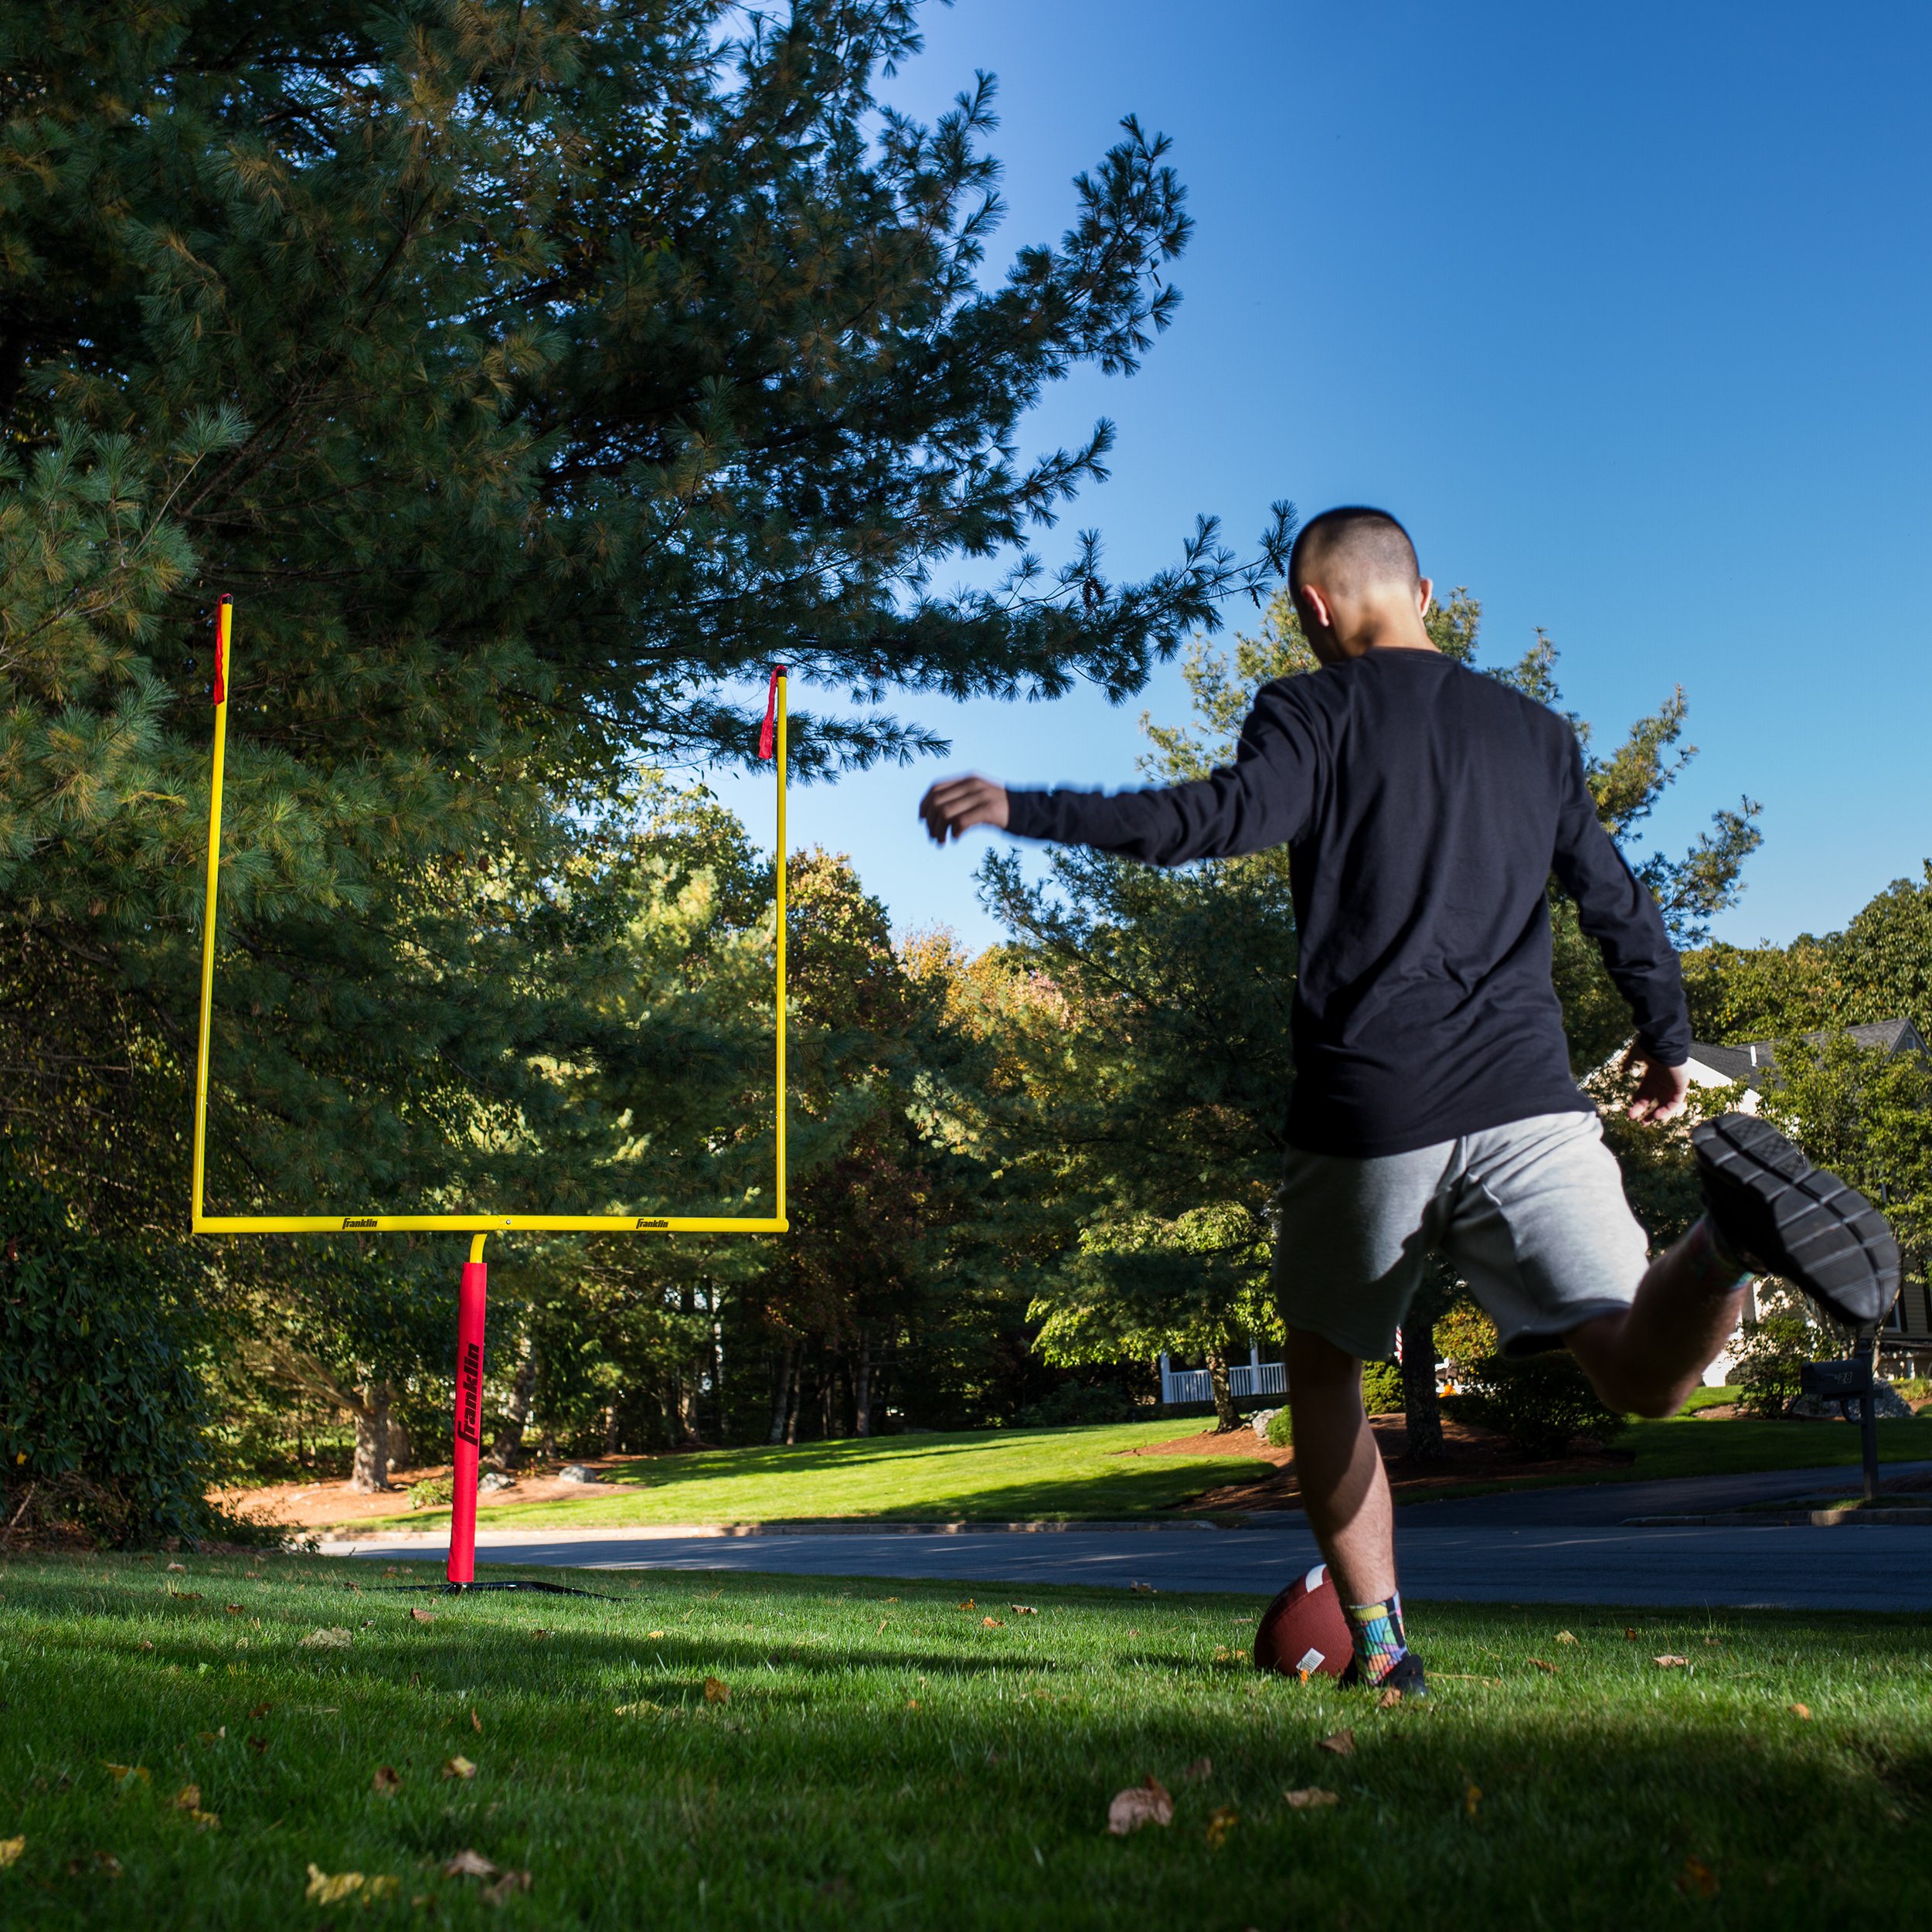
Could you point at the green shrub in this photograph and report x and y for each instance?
(1464, 1337)
(100, 1416)
(1281, 1429)
(433, 1492)
(1538, 1401)
(1768, 1363)
(1382, 1388)
(1075, 1402)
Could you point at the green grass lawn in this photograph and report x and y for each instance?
(1002, 1475)
(999, 1475)
(175, 1752)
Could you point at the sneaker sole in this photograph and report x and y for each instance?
(1830, 1240)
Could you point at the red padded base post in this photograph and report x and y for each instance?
(470, 1300)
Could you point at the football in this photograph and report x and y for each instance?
(1304, 1632)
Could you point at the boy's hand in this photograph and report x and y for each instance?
(1660, 1090)
(953, 806)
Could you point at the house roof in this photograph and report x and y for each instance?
(1751, 1062)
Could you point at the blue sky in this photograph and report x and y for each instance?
(1625, 312)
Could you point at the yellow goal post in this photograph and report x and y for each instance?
(772, 747)
(472, 1290)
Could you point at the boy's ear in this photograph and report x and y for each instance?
(1426, 594)
(1317, 605)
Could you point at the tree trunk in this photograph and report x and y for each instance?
(861, 1387)
(1225, 1415)
(370, 1474)
(781, 1396)
(401, 1451)
(1421, 1402)
(611, 1430)
(791, 1396)
(508, 1449)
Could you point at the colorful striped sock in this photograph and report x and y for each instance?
(1379, 1645)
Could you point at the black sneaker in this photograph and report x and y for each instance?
(1782, 1215)
(1404, 1678)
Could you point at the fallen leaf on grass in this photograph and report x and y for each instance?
(993, 1623)
(1341, 1743)
(716, 1691)
(334, 1638)
(912, 1703)
(422, 1616)
(1147, 1803)
(1199, 1771)
(187, 1797)
(1221, 1821)
(205, 1821)
(1311, 1798)
(1630, 1634)
(383, 1885)
(969, 1604)
(1667, 1662)
(643, 1708)
(469, 1865)
(213, 1737)
(1388, 1699)
(329, 1888)
(510, 1882)
(1143, 1589)
(387, 1781)
(1801, 1710)
(261, 1710)
(258, 1743)
(1697, 1880)
(882, 1624)
(459, 1766)
(1471, 1797)
(476, 1722)
(182, 1569)
(654, 1633)
(1564, 1637)
(1023, 1609)
(121, 1774)
(233, 1610)
(145, 1643)
(1549, 1670)
(10, 1849)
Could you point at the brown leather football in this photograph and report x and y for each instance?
(1304, 1632)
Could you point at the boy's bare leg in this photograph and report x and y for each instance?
(1343, 1487)
(1647, 1360)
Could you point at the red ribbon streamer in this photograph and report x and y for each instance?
(768, 738)
(221, 669)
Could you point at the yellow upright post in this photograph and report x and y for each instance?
(781, 1216)
(223, 628)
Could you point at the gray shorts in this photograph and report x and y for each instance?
(1531, 1215)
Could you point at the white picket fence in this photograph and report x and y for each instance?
(1253, 1377)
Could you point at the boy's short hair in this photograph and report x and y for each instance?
(1362, 545)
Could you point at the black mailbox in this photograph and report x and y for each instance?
(1845, 1382)
(1837, 1381)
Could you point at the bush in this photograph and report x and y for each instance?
(1767, 1364)
(433, 1492)
(1075, 1402)
(1538, 1401)
(1281, 1429)
(1382, 1388)
(1465, 1337)
(100, 1415)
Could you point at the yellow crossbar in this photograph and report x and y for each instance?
(202, 1223)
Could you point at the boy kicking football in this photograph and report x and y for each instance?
(1425, 807)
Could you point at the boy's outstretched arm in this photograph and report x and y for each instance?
(1260, 800)
(952, 807)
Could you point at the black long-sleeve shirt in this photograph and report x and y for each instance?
(1424, 807)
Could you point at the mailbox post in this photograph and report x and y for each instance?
(1845, 1382)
